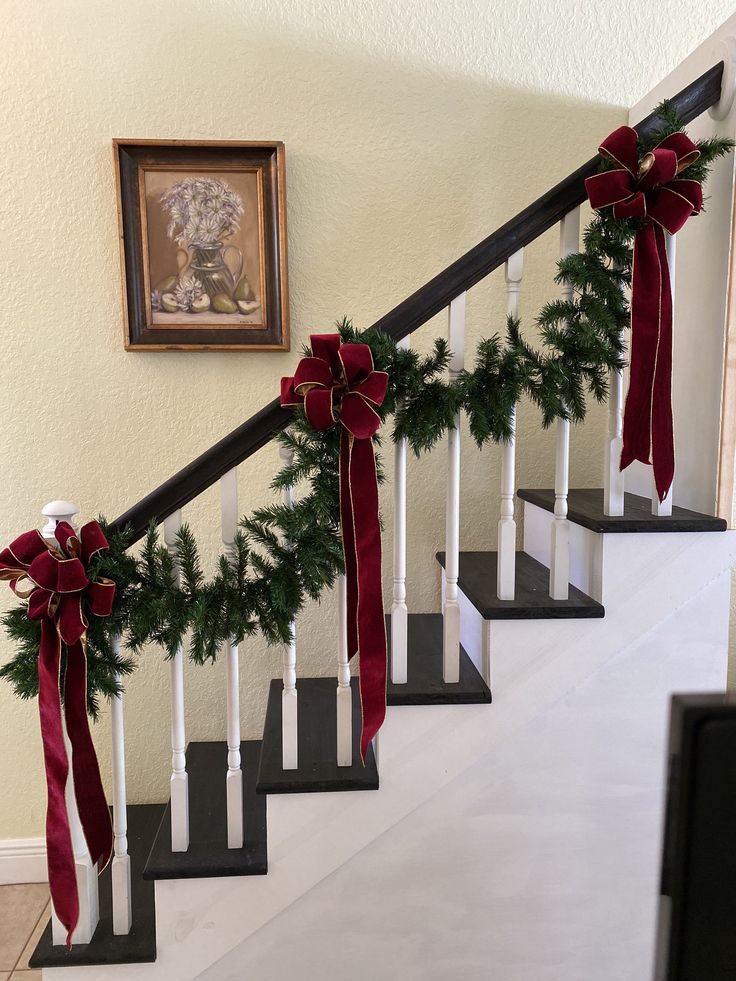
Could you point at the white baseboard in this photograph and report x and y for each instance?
(23, 860)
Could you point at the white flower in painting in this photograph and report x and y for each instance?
(188, 289)
(202, 211)
(156, 300)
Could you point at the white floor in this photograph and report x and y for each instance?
(538, 863)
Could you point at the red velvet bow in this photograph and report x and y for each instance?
(338, 385)
(58, 590)
(649, 189)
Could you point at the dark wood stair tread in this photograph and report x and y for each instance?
(424, 685)
(317, 722)
(477, 580)
(208, 854)
(138, 946)
(585, 507)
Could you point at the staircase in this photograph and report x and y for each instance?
(610, 605)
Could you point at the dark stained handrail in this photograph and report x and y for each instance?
(405, 318)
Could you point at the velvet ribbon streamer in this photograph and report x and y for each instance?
(55, 583)
(338, 386)
(649, 190)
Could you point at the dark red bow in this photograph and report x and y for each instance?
(338, 385)
(650, 190)
(55, 583)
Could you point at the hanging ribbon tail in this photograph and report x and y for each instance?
(663, 436)
(648, 428)
(363, 483)
(94, 813)
(347, 526)
(59, 850)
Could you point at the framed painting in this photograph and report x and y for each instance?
(202, 245)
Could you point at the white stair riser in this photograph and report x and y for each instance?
(610, 567)
(586, 549)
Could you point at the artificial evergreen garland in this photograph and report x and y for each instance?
(583, 337)
(283, 555)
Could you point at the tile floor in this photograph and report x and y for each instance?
(24, 913)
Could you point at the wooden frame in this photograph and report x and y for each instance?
(225, 309)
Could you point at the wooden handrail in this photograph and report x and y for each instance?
(405, 318)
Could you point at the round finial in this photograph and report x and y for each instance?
(58, 511)
(727, 52)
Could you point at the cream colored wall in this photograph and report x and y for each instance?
(412, 130)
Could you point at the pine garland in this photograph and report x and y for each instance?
(283, 556)
(583, 337)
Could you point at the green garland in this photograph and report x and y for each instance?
(283, 556)
(583, 337)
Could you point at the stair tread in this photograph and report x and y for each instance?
(585, 507)
(424, 684)
(137, 947)
(208, 854)
(317, 725)
(477, 580)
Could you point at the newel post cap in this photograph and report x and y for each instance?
(57, 511)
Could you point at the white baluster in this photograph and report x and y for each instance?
(399, 611)
(85, 869)
(506, 569)
(289, 701)
(122, 910)
(234, 776)
(344, 693)
(179, 785)
(613, 477)
(451, 628)
(559, 575)
(663, 509)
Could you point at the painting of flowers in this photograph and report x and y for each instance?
(211, 235)
(211, 275)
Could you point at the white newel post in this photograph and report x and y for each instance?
(122, 910)
(451, 622)
(86, 870)
(506, 568)
(289, 700)
(344, 693)
(179, 785)
(234, 775)
(559, 574)
(663, 509)
(399, 611)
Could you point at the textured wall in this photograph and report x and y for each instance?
(412, 130)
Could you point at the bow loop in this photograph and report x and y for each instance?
(684, 148)
(312, 373)
(326, 346)
(656, 168)
(93, 541)
(17, 557)
(58, 575)
(357, 363)
(620, 147)
(68, 539)
(318, 407)
(633, 207)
